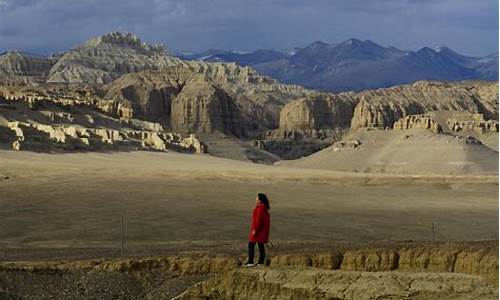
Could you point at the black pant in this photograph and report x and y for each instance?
(262, 252)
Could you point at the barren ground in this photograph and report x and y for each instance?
(189, 202)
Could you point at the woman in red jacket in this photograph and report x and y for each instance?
(259, 232)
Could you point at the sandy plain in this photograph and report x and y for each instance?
(194, 201)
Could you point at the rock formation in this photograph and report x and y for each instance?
(186, 101)
(27, 127)
(418, 121)
(20, 68)
(203, 107)
(345, 145)
(102, 59)
(129, 81)
(36, 136)
(319, 111)
(471, 122)
(479, 127)
(383, 107)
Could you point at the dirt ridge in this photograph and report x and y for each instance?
(448, 258)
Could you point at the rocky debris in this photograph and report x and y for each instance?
(58, 117)
(418, 121)
(303, 134)
(182, 264)
(146, 125)
(16, 145)
(95, 284)
(194, 144)
(343, 145)
(468, 140)
(288, 283)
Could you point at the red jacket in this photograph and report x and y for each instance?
(261, 221)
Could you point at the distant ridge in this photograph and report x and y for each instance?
(357, 65)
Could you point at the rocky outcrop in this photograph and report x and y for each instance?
(102, 59)
(148, 95)
(67, 97)
(193, 144)
(231, 73)
(188, 99)
(203, 107)
(345, 145)
(310, 124)
(477, 261)
(318, 112)
(471, 122)
(418, 121)
(457, 122)
(383, 107)
(475, 258)
(17, 68)
(152, 79)
(36, 136)
(479, 127)
(42, 125)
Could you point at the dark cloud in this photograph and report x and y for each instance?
(45, 26)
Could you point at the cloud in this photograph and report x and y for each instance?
(53, 25)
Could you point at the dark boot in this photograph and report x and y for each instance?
(251, 253)
(262, 254)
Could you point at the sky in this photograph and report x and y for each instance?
(46, 26)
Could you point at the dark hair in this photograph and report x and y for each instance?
(263, 198)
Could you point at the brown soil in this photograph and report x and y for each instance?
(415, 270)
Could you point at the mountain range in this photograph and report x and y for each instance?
(117, 92)
(355, 65)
